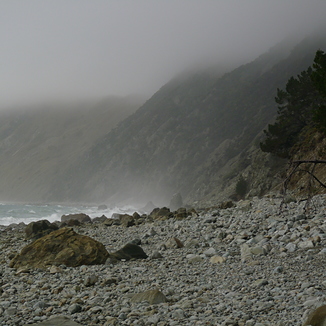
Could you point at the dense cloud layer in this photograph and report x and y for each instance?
(76, 49)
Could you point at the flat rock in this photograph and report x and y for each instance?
(151, 296)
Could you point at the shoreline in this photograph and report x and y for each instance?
(276, 283)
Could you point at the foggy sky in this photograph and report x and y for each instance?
(94, 48)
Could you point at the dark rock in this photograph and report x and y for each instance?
(124, 219)
(181, 213)
(100, 219)
(193, 212)
(36, 230)
(102, 207)
(226, 204)
(127, 220)
(81, 217)
(160, 213)
(129, 251)
(70, 223)
(111, 221)
(139, 221)
(136, 216)
(61, 247)
(176, 202)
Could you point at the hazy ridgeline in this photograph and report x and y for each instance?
(195, 136)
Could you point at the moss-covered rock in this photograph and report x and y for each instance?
(61, 247)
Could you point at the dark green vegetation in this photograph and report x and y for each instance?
(301, 107)
(319, 80)
(195, 136)
(241, 187)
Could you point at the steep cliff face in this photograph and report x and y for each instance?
(195, 136)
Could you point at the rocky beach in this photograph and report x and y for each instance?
(252, 263)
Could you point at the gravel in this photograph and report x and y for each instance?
(251, 265)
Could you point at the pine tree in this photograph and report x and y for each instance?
(301, 105)
(319, 79)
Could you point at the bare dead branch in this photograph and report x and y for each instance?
(294, 166)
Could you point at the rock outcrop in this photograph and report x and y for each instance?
(61, 247)
(81, 217)
(38, 229)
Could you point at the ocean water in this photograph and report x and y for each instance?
(26, 213)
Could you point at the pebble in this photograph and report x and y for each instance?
(244, 265)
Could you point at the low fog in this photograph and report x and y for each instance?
(67, 49)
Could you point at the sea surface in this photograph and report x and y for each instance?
(26, 213)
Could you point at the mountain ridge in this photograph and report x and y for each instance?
(189, 130)
(197, 135)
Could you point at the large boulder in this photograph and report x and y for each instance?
(126, 220)
(81, 217)
(61, 247)
(38, 229)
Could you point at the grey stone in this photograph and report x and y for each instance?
(56, 321)
(91, 280)
(291, 247)
(210, 252)
(74, 308)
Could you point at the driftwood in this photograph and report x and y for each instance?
(294, 167)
